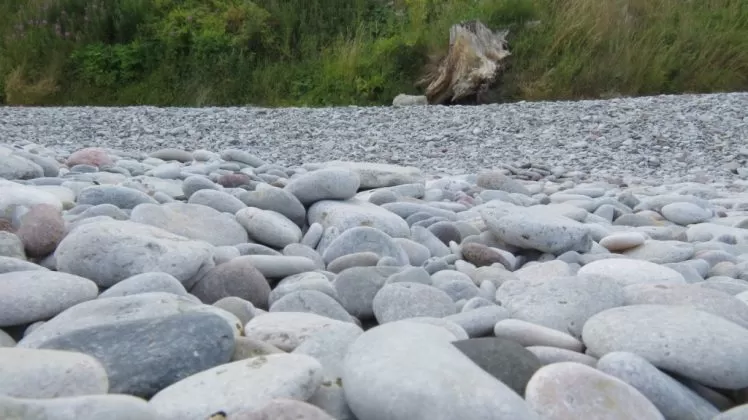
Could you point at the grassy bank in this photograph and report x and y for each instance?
(340, 52)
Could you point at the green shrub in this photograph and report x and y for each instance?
(339, 52)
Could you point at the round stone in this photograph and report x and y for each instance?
(571, 390)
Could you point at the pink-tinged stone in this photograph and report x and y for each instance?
(42, 228)
(94, 156)
(234, 180)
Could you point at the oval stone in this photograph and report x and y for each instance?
(194, 221)
(408, 371)
(674, 400)
(34, 373)
(269, 227)
(244, 385)
(36, 295)
(402, 300)
(362, 239)
(83, 407)
(679, 339)
(627, 271)
(144, 356)
(569, 390)
(324, 184)
(124, 249)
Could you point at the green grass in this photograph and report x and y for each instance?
(362, 52)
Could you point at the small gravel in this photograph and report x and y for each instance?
(701, 138)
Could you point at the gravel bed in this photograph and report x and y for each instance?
(701, 138)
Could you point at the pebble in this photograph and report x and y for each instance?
(35, 373)
(193, 221)
(626, 271)
(287, 330)
(324, 184)
(402, 300)
(244, 385)
(126, 248)
(364, 239)
(145, 283)
(122, 197)
(622, 241)
(284, 409)
(347, 214)
(82, 407)
(550, 233)
(685, 214)
(269, 227)
(550, 355)
(679, 339)
(41, 230)
(144, 356)
(303, 281)
(701, 298)
(675, 401)
(237, 277)
(387, 362)
(564, 303)
(311, 301)
(529, 334)
(505, 359)
(232, 282)
(267, 197)
(587, 393)
(29, 296)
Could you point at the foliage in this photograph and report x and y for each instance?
(364, 52)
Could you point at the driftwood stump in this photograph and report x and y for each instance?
(470, 67)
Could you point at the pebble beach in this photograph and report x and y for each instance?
(549, 260)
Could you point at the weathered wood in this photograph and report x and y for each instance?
(470, 67)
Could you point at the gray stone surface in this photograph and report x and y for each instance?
(354, 212)
(269, 227)
(283, 408)
(34, 373)
(402, 300)
(268, 197)
(324, 184)
(122, 197)
(124, 249)
(675, 401)
(563, 303)
(238, 277)
(287, 330)
(144, 356)
(554, 234)
(505, 359)
(356, 288)
(311, 301)
(243, 385)
(683, 340)
(103, 312)
(145, 283)
(362, 239)
(572, 390)
(85, 407)
(388, 361)
(194, 221)
(29, 296)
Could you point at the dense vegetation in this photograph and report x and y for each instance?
(337, 52)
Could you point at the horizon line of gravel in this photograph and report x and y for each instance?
(663, 138)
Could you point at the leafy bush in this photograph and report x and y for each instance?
(338, 52)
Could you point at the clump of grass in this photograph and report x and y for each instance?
(589, 48)
(364, 52)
